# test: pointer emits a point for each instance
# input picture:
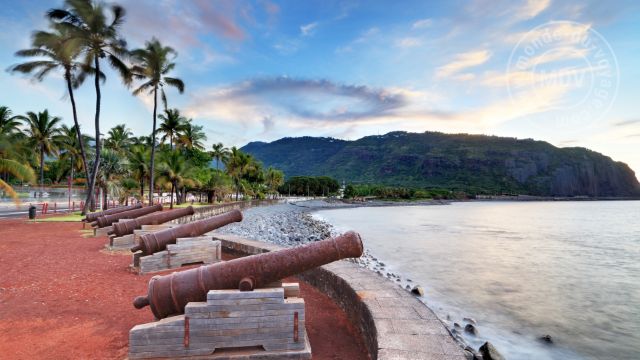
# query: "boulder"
(489, 352)
(417, 290)
(470, 320)
(470, 329)
(546, 339)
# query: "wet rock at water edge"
(470, 320)
(470, 329)
(456, 326)
(547, 339)
(489, 352)
(471, 353)
(417, 290)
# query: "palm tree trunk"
(96, 164)
(173, 187)
(72, 166)
(153, 146)
(41, 167)
(75, 121)
(142, 188)
(105, 204)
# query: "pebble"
(417, 290)
(546, 339)
(470, 329)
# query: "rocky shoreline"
(292, 224)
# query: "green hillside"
(472, 163)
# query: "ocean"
(568, 269)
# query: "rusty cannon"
(107, 220)
(157, 241)
(168, 295)
(128, 226)
(90, 217)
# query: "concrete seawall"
(395, 324)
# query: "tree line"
(82, 37)
(184, 164)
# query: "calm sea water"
(521, 269)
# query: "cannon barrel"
(107, 220)
(168, 295)
(126, 227)
(157, 241)
(90, 217)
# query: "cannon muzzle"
(107, 220)
(127, 227)
(157, 241)
(90, 217)
(168, 295)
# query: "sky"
(565, 72)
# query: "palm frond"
(122, 68)
(18, 170)
(175, 82)
(28, 67)
(9, 190)
(163, 96)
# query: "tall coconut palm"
(174, 169)
(192, 136)
(120, 139)
(8, 122)
(153, 63)
(60, 51)
(172, 125)
(98, 37)
(219, 153)
(42, 131)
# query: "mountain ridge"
(472, 163)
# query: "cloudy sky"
(561, 71)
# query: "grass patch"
(184, 205)
(75, 217)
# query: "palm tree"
(218, 185)
(139, 165)
(12, 166)
(174, 169)
(237, 166)
(153, 63)
(127, 187)
(274, 179)
(86, 22)
(120, 139)
(8, 122)
(21, 171)
(172, 125)
(112, 169)
(60, 51)
(42, 132)
(192, 136)
(220, 153)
